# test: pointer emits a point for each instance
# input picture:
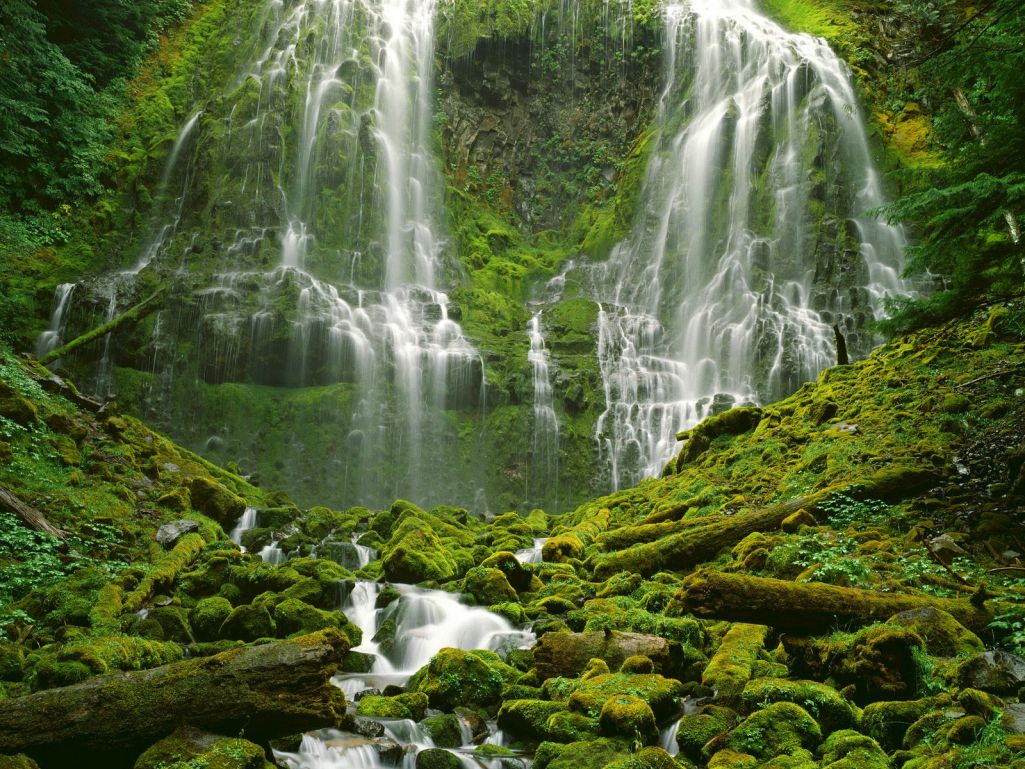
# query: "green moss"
(779, 729)
(454, 677)
(730, 669)
(528, 719)
(488, 586)
(697, 730)
(823, 702)
(412, 705)
(189, 748)
(626, 715)
(208, 615)
(248, 623)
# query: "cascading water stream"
(426, 621)
(752, 238)
(543, 475)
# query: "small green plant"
(844, 511)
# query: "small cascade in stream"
(752, 238)
(543, 474)
(531, 554)
(53, 337)
(247, 521)
(425, 622)
(273, 554)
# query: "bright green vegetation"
(916, 685)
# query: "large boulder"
(455, 677)
(214, 501)
(189, 746)
(997, 671)
(417, 554)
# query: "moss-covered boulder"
(189, 747)
(417, 554)
(295, 617)
(878, 661)
(825, 703)
(455, 677)
(590, 754)
(887, 721)
(518, 575)
(848, 749)
(779, 729)
(488, 586)
(589, 693)
(248, 623)
(411, 705)
(732, 665)
(215, 501)
(944, 636)
(695, 731)
(445, 730)
(625, 715)
(528, 719)
(437, 758)
(562, 548)
(18, 761)
(208, 615)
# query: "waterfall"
(248, 520)
(53, 337)
(751, 239)
(543, 474)
(298, 210)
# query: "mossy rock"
(189, 747)
(326, 574)
(879, 661)
(417, 556)
(944, 636)
(590, 754)
(248, 623)
(49, 672)
(887, 721)
(511, 611)
(208, 615)
(562, 548)
(488, 586)
(564, 726)
(645, 758)
(174, 621)
(108, 653)
(779, 729)
(12, 661)
(454, 677)
(826, 704)
(625, 715)
(295, 617)
(437, 758)
(727, 758)
(519, 576)
(321, 521)
(445, 730)
(588, 694)
(411, 705)
(848, 749)
(695, 731)
(19, 761)
(527, 719)
(731, 667)
(214, 501)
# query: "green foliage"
(844, 511)
(966, 219)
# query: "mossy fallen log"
(266, 691)
(731, 667)
(164, 571)
(141, 310)
(694, 544)
(806, 607)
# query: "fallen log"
(31, 517)
(141, 310)
(806, 607)
(567, 654)
(266, 691)
(695, 544)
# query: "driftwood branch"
(141, 310)
(31, 517)
(268, 691)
